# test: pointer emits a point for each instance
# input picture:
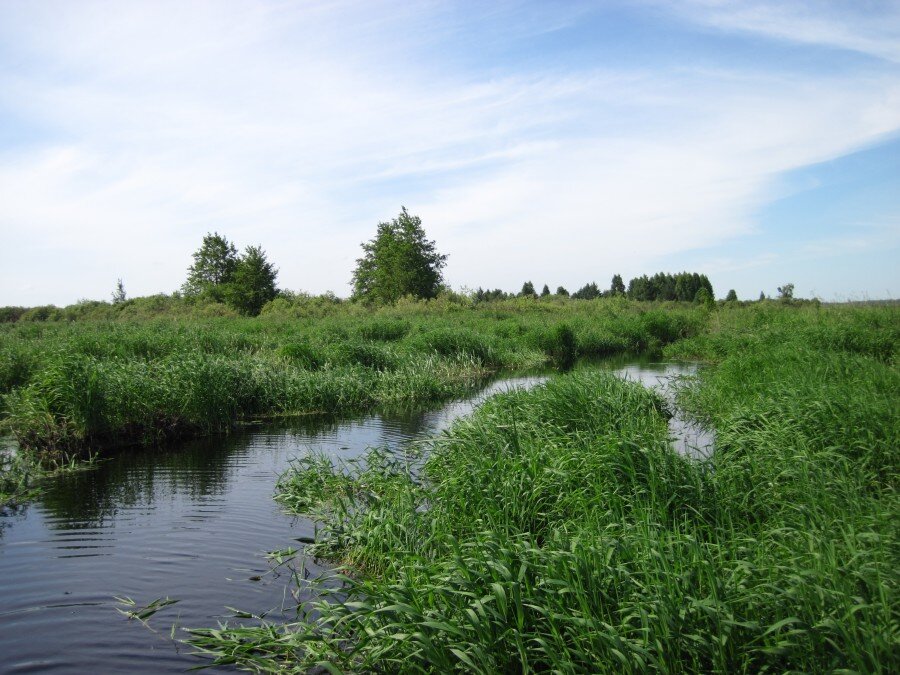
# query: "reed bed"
(556, 529)
(72, 386)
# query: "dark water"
(192, 522)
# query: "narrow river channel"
(192, 522)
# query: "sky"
(757, 142)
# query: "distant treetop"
(398, 261)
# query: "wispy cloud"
(870, 27)
(300, 125)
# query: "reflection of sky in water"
(688, 438)
(189, 522)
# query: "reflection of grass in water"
(22, 474)
(556, 530)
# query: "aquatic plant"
(556, 530)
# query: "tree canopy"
(253, 282)
(398, 261)
(118, 295)
(683, 286)
(786, 292)
(617, 286)
(213, 267)
(587, 292)
(245, 282)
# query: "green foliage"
(43, 313)
(545, 291)
(732, 296)
(560, 344)
(704, 298)
(663, 286)
(527, 290)
(253, 282)
(399, 261)
(561, 291)
(214, 265)
(74, 385)
(482, 295)
(555, 530)
(384, 329)
(302, 354)
(587, 292)
(617, 287)
(786, 292)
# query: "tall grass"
(71, 386)
(556, 530)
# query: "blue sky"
(758, 142)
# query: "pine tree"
(253, 282)
(527, 290)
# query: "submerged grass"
(556, 530)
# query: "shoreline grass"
(72, 387)
(556, 530)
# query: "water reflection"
(191, 522)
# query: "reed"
(87, 384)
(556, 530)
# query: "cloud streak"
(299, 126)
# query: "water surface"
(192, 522)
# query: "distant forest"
(684, 286)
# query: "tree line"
(684, 286)
(398, 261)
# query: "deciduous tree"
(398, 261)
(213, 267)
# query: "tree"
(560, 290)
(214, 265)
(732, 296)
(786, 292)
(398, 261)
(482, 295)
(587, 292)
(617, 287)
(545, 291)
(705, 298)
(762, 296)
(118, 295)
(527, 290)
(253, 282)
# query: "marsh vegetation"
(553, 529)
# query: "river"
(192, 522)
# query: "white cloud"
(299, 126)
(870, 27)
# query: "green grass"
(72, 386)
(555, 529)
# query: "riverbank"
(69, 388)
